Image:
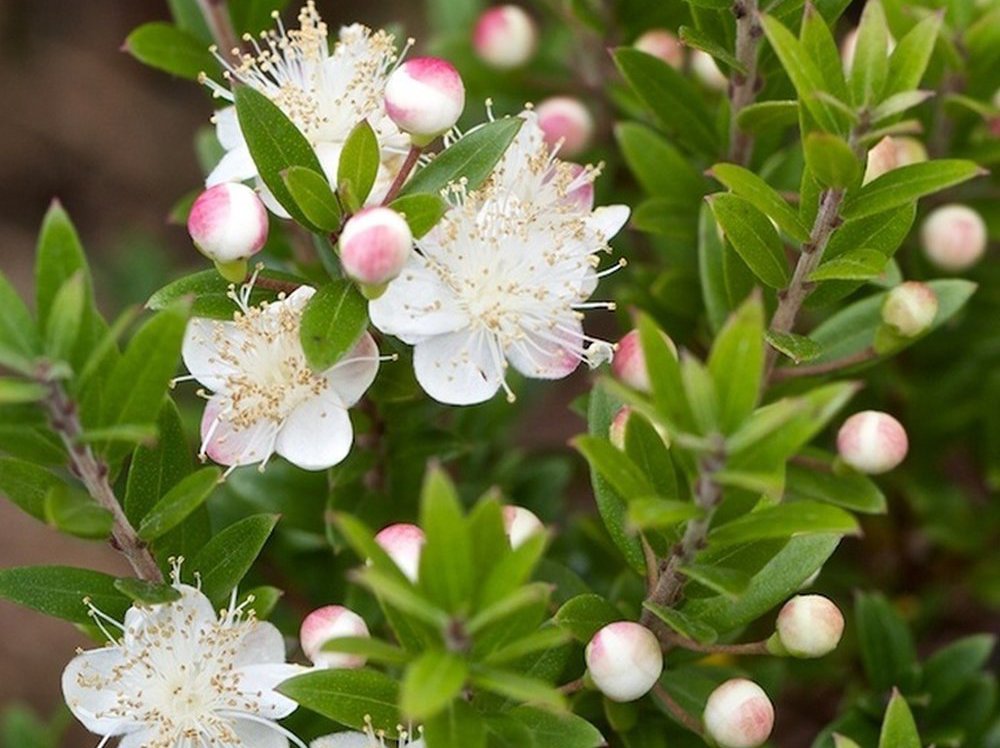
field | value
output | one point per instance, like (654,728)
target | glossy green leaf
(332,323)
(430,683)
(209,293)
(421,211)
(178,503)
(785,521)
(59,591)
(857,264)
(711,269)
(74,512)
(658,166)
(910,57)
(20,391)
(899,730)
(851,490)
(905,184)
(311,192)
(557,730)
(729,582)
(753,237)
(696,39)
(625,477)
(736,363)
(684,625)
(353,698)
(446,559)
(798,348)
(818,44)
(646,448)
(19,341)
(762,196)
(517,687)
(871,58)
(950,668)
(652,512)
(458,726)
(768,116)
(147,593)
(67,313)
(171,49)
(359,162)
(887,650)
(831,160)
(225,559)
(374,650)
(27,485)
(584,615)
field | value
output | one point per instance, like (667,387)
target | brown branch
(677,711)
(273,284)
(750,648)
(572,687)
(216,14)
(828,367)
(404,171)
(743,86)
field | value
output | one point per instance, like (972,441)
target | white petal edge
(417,305)
(85,702)
(459,368)
(201,354)
(554,360)
(228,446)
(236,166)
(609,220)
(317,434)
(342,740)
(256,735)
(257,683)
(262,644)
(351,377)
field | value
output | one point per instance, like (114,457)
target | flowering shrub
(398,246)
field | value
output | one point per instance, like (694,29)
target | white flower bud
(705,70)
(403,543)
(228,224)
(520,524)
(375,245)
(565,120)
(909,151)
(624,660)
(738,714)
(872,442)
(953,237)
(810,626)
(629,363)
(910,308)
(882,157)
(663,44)
(425,97)
(326,624)
(505,37)
(616,432)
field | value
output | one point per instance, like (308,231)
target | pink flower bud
(954,237)
(810,626)
(326,624)
(629,363)
(565,120)
(616,432)
(520,524)
(910,308)
(705,70)
(425,97)
(872,442)
(505,37)
(738,714)
(663,44)
(228,223)
(374,246)
(882,157)
(403,543)
(624,660)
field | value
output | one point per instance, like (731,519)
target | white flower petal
(417,305)
(201,351)
(316,435)
(236,166)
(343,740)
(227,129)
(354,374)
(256,735)
(87,694)
(263,644)
(257,683)
(184,618)
(608,220)
(229,446)
(270,201)
(548,353)
(460,368)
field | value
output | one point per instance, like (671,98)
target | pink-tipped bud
(810,626)
(520,524)
(663,44)
(707,71)
(909,151)
(619,424)
(953,237)
(505,37)
(228,224)
(882,157)
(326,624)
(565,120)
(910,308)
(403,543)
(375,245)
(425,97)
(738,714)
(872,442)
(624,660)
(629,363)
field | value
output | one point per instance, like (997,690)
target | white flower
(370,738)
(325,94)
(266,399)
(504,277)
(177,675)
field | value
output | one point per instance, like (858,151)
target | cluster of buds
(629,363)
(954,237)
(374,247)
(425,97)
(624,660)
(910,308)
(505,37)
(872,442)
(566,122)
(228,224)
(323,626)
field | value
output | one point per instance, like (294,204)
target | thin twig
(828,367)
(572,687)
(750,648)
(216,14)
(404,171)
(743,86)
(93,473)
(677,711)
(273,284)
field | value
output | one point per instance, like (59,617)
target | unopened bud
(872,442)
(882,157)
(375,245)
(738,714)
(505,37)
(705,70)
(909,151)
(953,237)
(910,308)
(520,524)
(619,424)
(403,544)
(809,626)
(624,660)
(663,44)
(228,224)
(565,120)
(629,363)
(324,625)
(425,97)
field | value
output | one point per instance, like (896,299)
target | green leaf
(253,16)
(19,391)
(400,594)
(60,591)
(831,160)
(275,144)
(446,559)
(785,521)
(651,512)
(473,157)
(910,57)
(857,264)
(557,730)
(421,211)
(188,17)
(851,490)
(178,503)
(664,376)
(226,558)
(818,43)
(950,668)
(371,649)
(351,697)
(458,726)
(27,485)
(645,446)
(65,317)
(905,184)
(799,348)
(899,730)
(871,60)
(682,624)
(659,167)
(676,102)
(18,335)
(753,237)
(168,48)
(542,640)
(517,687)
(147,593)
(430,683)
(729,582)
(712,269)
(311,192)
(359,162)
(60,257)
(768,116)
(887,650)
(898,103)
(332,323)
(209,292)
(584,615)
(762,196)
(692,37)
(736,363)
(76,513)
(625,477)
